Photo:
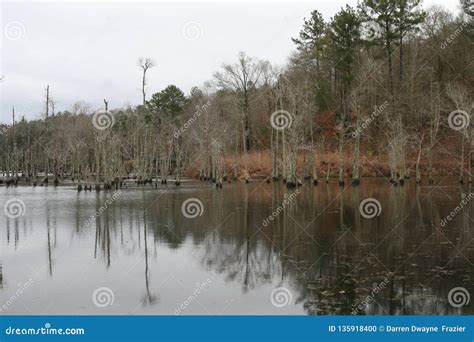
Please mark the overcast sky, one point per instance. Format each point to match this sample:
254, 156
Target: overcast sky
88, 51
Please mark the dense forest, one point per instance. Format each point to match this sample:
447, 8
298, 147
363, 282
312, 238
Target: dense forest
384, 89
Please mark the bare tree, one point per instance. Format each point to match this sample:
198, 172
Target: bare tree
47, 102
145, 63
241, 78
435, 118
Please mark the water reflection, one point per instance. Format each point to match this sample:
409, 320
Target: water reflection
333, 260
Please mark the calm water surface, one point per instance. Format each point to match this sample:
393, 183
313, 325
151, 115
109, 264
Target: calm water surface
327, 256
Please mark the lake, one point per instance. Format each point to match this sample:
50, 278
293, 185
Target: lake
253, 249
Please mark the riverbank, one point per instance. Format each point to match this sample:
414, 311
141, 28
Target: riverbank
260, 165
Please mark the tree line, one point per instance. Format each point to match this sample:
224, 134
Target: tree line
385, 79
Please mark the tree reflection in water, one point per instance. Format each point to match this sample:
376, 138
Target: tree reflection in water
319, 246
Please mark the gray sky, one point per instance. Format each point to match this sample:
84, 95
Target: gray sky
88, 51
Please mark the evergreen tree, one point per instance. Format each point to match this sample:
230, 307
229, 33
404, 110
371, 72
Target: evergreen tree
409, 17
345, 40
313, 36
168, 103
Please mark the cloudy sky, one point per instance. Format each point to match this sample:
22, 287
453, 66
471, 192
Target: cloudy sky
88, 51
